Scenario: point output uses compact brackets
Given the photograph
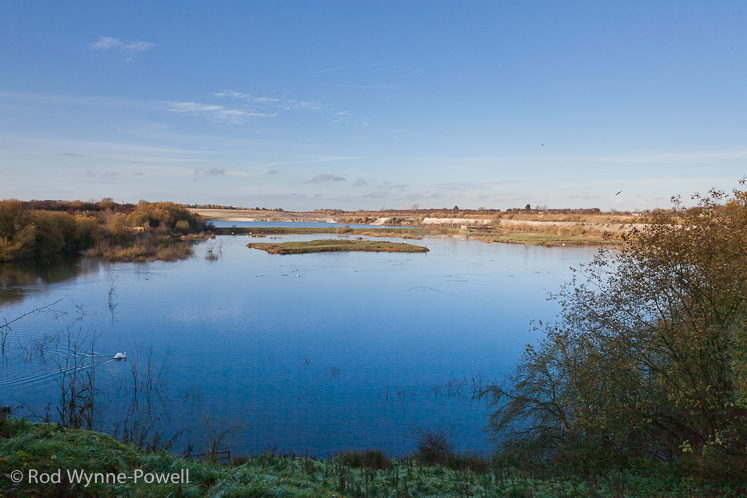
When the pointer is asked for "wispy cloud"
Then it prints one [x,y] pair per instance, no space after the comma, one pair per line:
[274,102]
[216,113]
[325,178]
[360,182]
[324,159]
[199,172]
[272,172]
[128,47]
[246,97]
[379,194]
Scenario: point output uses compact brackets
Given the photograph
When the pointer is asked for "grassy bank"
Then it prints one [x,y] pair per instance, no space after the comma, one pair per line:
[49,448]
[333,245]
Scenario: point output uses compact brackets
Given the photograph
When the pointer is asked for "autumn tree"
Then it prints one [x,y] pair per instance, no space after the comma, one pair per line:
[649,355]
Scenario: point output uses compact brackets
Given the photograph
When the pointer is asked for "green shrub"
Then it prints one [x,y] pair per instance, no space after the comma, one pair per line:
[369,459]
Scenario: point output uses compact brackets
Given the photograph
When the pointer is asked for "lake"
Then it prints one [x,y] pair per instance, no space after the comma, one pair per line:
[312,353]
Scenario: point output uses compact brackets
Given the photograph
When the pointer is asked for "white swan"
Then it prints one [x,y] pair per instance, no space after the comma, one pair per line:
[120,356]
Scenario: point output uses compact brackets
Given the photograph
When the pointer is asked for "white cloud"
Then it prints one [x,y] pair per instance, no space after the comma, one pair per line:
[216,113]
[324,178]
[105,43]
[280,103]
[246,97]
[209,172]
[129,47]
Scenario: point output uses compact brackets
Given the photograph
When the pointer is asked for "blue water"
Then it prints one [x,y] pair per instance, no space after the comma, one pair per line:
[313,352]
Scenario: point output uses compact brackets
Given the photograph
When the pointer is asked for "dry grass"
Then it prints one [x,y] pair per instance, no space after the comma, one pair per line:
[332,245]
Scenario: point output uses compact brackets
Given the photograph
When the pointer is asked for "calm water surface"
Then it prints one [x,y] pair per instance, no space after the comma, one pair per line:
[314,352]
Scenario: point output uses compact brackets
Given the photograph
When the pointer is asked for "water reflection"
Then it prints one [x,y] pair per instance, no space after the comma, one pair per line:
[18,280]
[316,352]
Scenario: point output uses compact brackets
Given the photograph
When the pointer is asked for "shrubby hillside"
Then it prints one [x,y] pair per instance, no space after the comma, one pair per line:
[43,228]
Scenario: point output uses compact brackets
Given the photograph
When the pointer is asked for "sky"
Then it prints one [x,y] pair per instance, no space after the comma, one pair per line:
[373,104]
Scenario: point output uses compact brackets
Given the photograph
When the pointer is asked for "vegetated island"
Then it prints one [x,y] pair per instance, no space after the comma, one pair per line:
[327,245]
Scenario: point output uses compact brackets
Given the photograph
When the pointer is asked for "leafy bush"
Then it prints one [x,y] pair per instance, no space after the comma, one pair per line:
[167,214]
[649,357]
[43,228]
[433,445]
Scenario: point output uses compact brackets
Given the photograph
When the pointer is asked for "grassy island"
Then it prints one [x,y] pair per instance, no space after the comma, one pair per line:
[332,245]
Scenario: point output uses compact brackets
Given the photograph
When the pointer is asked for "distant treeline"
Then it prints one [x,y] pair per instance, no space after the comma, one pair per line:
[437,212]
[417,210]
[36,229]
[219,206]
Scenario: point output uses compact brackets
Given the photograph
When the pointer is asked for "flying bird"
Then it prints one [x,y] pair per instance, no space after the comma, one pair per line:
[620,192]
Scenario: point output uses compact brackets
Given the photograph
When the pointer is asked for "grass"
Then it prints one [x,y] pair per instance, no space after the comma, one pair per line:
[549,240]
[335,245]
[49,447]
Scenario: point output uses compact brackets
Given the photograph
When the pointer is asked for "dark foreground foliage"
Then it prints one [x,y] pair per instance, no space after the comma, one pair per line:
[106,229]
[49,447]
[648,361]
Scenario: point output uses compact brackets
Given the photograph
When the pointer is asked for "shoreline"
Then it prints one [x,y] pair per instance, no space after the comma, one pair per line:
[536,229]
[532,239]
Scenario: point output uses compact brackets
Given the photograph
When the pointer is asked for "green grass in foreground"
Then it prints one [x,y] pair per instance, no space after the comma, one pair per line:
[336,245]
[49,447]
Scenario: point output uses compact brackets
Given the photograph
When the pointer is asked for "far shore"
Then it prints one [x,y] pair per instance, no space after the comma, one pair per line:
[540,229]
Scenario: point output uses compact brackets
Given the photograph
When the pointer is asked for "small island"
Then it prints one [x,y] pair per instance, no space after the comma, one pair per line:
[332,245]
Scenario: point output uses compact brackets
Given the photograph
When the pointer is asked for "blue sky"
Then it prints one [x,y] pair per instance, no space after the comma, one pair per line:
[364,105]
